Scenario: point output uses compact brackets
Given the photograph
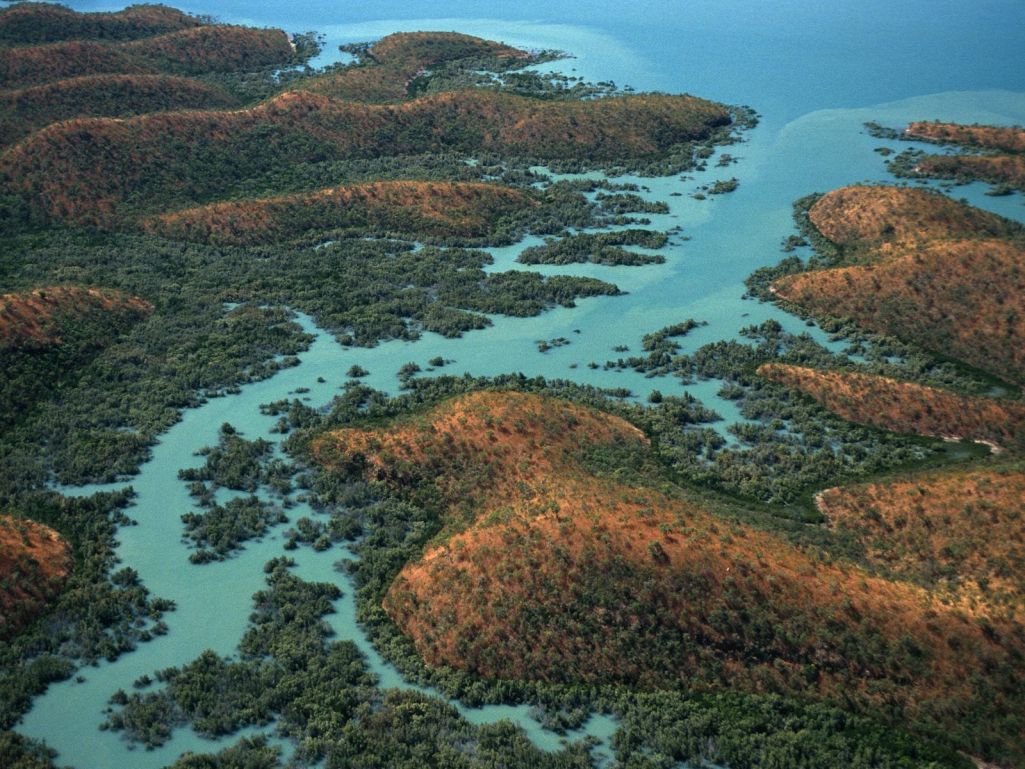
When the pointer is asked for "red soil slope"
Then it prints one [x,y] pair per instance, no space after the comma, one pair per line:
[417,209]
[26,110]
[34,562]
[962,531]
[27,23]
[32,319]
[924,268]
[867,215]
[548,571]
[1004,138]
[83,170]
[906,407]
[1007,166]
[185,52]
[394,61]
[963,299]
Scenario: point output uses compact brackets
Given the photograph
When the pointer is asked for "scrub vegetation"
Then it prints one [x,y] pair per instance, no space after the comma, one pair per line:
[958,532]
[906,407]
[26,110]
[172,189]
[324,698]
[561,547]
[24,24]
[122,168]
[125,309]
[934,272]
[597,248]
[34,562]
[919,266]
[994,154]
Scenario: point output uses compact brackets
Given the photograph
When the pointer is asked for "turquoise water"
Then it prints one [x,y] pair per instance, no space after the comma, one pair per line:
[214,600]
[815,72]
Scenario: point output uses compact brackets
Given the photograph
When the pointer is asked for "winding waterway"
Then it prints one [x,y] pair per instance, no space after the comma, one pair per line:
[814,102]
[214,600]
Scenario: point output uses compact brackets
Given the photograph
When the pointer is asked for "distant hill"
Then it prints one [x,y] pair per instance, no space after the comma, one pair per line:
[34,562]
[988,153]
[426,210]
[57,64]
[547,570]
[996,169]
[389,69]
[862,216]
[213,48]
[998,153]
[86,170]
[26,110]
[33,23]
[1002,138]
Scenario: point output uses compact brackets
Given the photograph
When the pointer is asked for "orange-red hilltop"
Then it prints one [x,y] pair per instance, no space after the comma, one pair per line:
[418,209]
[906,407]
[32,319]
[924,268]
[34,562]
[547,570]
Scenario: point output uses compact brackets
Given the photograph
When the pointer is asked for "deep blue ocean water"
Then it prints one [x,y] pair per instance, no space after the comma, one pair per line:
[814,71]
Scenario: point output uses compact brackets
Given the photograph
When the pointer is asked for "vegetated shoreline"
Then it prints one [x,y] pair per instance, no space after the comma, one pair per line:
[851,239]
[106,95]
[240,342]
[685,409]
[103,154]
[858,397]
[415,210]
[559,703]
[393,473]
[993,154]
[873,272]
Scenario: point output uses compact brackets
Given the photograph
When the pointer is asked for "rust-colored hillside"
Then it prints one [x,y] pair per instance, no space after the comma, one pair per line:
[547,570]
[996,169]
[962,299]
[962,531]
[1002,138]
[33,319]
[859,216]
[28,23]
[388,68]
[906,407]
[26,110]
[84,170]
[923,268]
[34,562]
[1000,159]
[412,209]
[213,48]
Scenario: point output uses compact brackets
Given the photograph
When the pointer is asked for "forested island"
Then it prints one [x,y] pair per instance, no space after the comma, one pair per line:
[835,579]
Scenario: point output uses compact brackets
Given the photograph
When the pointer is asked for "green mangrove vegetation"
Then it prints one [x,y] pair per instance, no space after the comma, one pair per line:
[597,248]
[322,696]
[433,112]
